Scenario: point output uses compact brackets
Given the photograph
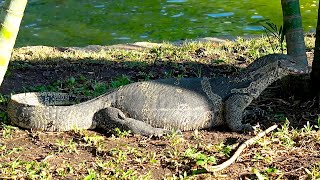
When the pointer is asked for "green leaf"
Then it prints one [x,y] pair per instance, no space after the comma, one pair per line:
[212,159]
[201,156]
[271,170]
[201,162]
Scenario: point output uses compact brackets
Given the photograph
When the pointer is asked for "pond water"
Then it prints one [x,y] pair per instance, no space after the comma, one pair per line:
[105,22]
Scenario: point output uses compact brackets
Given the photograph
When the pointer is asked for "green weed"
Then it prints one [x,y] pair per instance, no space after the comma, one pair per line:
[120,81]
[314,172]
[284,134]
[119,155]
[200,158]
[74,85]
[91,175]
[278,33]
[71,147]
[121,133]
[24,169]
[174,138]
[7,131]
[307,128]
[270,171]
[224,149]
[93,140]
[3,99]
[5,152]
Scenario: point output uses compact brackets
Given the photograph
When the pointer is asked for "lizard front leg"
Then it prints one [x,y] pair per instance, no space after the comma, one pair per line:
[234,107]
[110,118]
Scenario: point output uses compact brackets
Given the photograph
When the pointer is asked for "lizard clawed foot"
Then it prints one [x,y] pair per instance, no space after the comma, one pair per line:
[247,128]
[251,129]
[110,118]
[242,127]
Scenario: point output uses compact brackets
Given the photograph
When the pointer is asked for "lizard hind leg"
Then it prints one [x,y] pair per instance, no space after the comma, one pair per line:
[110,118]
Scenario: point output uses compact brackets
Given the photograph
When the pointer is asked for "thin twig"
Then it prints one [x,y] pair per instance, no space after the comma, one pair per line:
[239,150]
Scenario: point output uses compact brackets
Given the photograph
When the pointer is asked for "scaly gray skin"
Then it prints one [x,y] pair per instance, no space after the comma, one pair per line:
[156,107]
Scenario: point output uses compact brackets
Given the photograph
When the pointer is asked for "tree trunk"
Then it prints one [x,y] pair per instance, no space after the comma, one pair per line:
[292,23]
[10,18]
[315,73]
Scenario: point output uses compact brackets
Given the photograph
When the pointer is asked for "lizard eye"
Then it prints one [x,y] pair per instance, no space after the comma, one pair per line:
[292,61]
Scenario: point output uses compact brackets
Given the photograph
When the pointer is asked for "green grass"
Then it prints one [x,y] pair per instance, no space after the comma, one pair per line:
[251,48]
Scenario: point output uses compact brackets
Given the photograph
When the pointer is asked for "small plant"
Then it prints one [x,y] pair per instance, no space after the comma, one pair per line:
[257,157]
[70,147]
[263,175]
[118,154]
[307,128]
[314,173]
[99,88]
[174,137]
[29,170]
[260,176]
[158,52]
[103,166]
[75,85]
[120,81]
[93,140]
[37,169]
[278,33]
[121,133]
[196,134]
[152,156]
[284,135]
[14,150]
[201,159]
[91,175]
[7,131]
[3,99]
[224,149]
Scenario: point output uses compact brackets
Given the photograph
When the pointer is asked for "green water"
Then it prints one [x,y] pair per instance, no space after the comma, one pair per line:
[105,22]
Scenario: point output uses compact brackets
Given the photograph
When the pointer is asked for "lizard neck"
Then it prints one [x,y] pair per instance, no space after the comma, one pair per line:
[254,80]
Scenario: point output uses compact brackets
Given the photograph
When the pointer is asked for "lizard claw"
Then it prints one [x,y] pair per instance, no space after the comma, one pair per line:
[248,128]
[161,132]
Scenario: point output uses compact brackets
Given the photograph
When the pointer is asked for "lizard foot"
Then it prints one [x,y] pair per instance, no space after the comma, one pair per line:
[140,127]
[110,118]
[247,128]
[242,127]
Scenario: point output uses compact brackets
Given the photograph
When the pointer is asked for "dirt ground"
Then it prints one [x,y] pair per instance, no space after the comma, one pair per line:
[279,100]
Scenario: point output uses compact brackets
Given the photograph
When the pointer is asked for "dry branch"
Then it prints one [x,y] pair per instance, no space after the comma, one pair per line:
[233,158]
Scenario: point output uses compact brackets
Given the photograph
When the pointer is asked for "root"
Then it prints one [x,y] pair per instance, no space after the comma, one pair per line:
[233,158]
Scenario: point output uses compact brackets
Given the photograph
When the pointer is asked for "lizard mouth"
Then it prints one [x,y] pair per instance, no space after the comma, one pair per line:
[299,71]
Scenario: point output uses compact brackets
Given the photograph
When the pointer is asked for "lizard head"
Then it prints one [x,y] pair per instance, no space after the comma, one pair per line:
[283,64]
[289,65]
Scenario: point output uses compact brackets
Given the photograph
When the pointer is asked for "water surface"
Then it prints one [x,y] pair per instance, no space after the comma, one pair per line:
[85,22]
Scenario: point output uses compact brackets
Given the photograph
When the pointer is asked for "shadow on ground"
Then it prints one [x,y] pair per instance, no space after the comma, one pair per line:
[287,98]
